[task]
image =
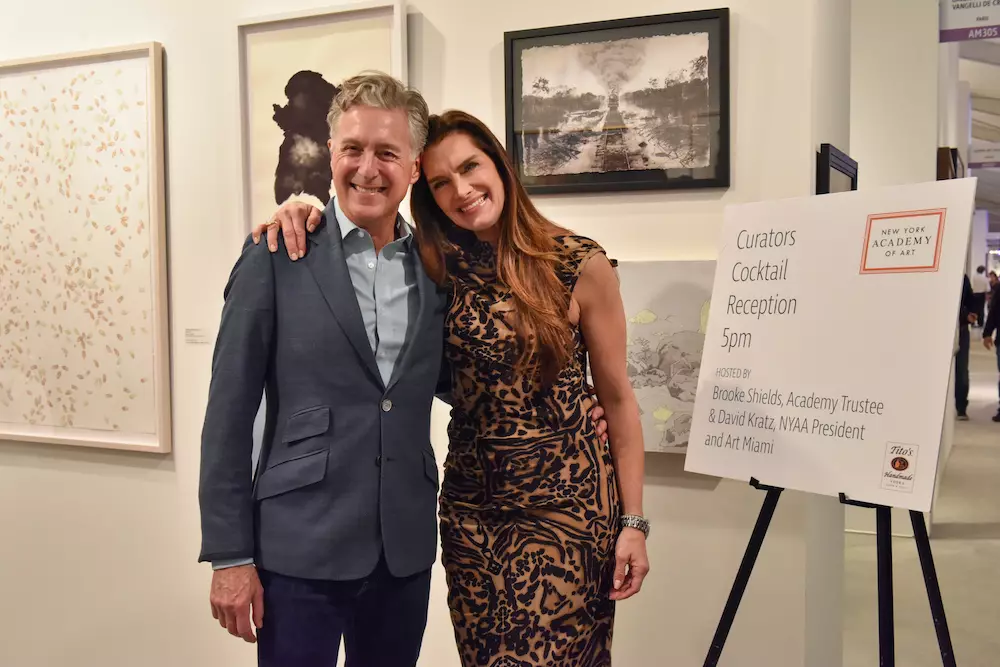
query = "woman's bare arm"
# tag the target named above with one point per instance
(602, 320)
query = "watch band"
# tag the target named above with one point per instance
(637, 522)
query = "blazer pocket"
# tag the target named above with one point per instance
(306, 423)
(430, 467)
(291, 475)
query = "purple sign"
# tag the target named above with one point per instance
(966, 34)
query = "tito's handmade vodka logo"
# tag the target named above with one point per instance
(905, 242)
(900, 467)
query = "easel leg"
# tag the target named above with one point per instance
(886, 634)
(933, 589)
(743, 576)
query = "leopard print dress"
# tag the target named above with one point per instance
(529, 505)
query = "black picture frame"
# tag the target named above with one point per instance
(833, 166)
(710, 138)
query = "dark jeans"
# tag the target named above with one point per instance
(961, 373)
(381, 619)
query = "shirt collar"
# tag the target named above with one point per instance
(347, 225)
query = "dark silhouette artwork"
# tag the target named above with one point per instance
(304, 158)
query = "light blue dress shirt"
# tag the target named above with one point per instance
(385, 285)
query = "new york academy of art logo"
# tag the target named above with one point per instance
(903, 242)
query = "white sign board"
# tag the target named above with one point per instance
(983, 155)
(963, 20)
(829, 342)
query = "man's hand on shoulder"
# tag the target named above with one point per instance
(294, 218)
(597, 416)
(235, 592)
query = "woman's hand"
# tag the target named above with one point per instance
(630, 552)
(293, 219)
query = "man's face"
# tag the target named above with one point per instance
(372, 163)
(993, 279)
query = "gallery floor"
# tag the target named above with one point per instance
(966, 545)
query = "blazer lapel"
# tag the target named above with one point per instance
(425, 288)
(328, 265)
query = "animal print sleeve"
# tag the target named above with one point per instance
(577, 250)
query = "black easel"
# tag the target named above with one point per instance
(886, 639)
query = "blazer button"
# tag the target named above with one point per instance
(378, 461)
(386, 405)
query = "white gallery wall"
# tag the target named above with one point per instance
(98, 549)
(894, 122)
(977, 244)
(894, 91)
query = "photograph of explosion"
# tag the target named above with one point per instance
(615, 108)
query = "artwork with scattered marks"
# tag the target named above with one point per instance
(292, 72)
(666, 306)
(80, 216)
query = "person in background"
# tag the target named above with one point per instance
(542, 527)
(966, 317)
(992, 328)
(980, 293)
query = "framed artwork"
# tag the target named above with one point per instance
(629, 104)
(84, 339)
(291, 67)
(835, 171)
(666, 306)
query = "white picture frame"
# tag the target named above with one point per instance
(393, 10)
(148, 426)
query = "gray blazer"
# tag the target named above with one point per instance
(346, 468)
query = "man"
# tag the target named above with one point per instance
(336, 533)
(980, 293)
(966, 316)
(991, 327)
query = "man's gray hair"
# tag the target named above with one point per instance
(379, 90)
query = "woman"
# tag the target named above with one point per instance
(538, 518)
(530, 501)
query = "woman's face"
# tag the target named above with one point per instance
(465, 184)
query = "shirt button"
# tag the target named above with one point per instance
(386, 405)
(371, 265)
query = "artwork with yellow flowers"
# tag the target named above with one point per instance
(666, 306)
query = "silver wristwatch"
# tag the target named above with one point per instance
(637, 522)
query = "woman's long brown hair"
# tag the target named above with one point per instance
(527, 255)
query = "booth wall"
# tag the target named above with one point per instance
(98, 549)
(894, 91)
(894, 119)
(978, 250)
(984, 78)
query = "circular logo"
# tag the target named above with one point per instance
(900, 464)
